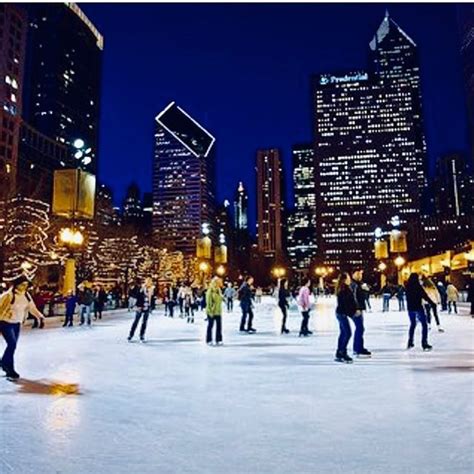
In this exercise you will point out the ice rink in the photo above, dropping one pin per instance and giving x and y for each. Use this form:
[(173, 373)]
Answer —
[(90, 402)]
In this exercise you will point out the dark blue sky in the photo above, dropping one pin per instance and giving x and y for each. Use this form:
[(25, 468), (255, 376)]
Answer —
[(244, 70)]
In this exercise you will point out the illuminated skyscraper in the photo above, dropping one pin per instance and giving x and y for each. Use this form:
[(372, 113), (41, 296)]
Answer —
[(269, 203), (63, 77), (370, 148), (183, 180), (240, 208), (302, 244)]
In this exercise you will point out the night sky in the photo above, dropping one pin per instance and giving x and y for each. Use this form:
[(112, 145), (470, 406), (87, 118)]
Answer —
[(243, 71)]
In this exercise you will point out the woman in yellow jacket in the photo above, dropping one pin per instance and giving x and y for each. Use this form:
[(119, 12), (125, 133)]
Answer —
[(214, 311)]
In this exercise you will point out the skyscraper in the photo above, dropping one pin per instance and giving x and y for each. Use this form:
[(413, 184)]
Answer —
[(63, 78), (13, 27), (183, 180), (241, 208), (370, 148), (269, 203), (302, 245), (466, 29)]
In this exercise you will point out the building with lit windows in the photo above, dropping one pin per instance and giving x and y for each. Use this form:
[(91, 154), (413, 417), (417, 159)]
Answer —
[(302, 244), (370, 148), (13, 28), (63, 78), (241, 208), (269, 203), (183, 180), (132, 209)]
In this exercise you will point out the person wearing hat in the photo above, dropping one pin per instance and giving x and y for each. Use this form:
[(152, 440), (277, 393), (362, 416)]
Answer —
[(15, 304), (214, 300), (143, 306)]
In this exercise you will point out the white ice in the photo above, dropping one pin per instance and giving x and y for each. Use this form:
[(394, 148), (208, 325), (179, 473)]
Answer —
[(262, 403)]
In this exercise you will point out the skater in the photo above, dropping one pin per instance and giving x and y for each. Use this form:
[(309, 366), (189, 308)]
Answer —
[(415, 296), (443, 295), (71, 300), (229, 295), (181, 296), (214, 311), (258, 295), (133, 295), (189, 305), (246, 304), (40, 302), (434, 295), (401, 298), (100, 297), (283, 295), (305, 303), (387, 295), (86, 299), (366, 292), (345, 309), (453, 295), (143, 307), (15, 304), (358, 316)]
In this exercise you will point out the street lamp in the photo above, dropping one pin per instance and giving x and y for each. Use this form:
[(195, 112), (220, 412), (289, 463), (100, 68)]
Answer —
[(279, 272), (399, 262), (383, 278), (220, 270), (71, 239)]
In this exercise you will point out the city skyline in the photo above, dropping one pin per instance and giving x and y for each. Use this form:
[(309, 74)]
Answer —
[(236, 151)]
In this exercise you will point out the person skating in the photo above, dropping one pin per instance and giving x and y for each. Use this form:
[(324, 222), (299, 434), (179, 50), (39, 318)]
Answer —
[(246, 304), (40, 302), (443, 295), (143, 308), (304, 302), (71, 300), (229, 295), (358, 316), (366, 289), (85, 300), (214, 311), (434, 295), (345, 309), (453, 295), (387, 295), (15, 304), (133, 295), (100, 298), (415, 296), (401, 298), (283, 304)]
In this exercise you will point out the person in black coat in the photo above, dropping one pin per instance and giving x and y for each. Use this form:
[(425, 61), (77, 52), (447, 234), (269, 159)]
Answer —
[(345, 309), (358, 317), (100, 297), (283, 295), (415, 295), (246, 297)]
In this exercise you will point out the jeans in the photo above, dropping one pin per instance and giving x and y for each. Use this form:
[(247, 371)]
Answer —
[(359, 333), (246, 311), (452, 305), (428, 309), (386, 302), (85, 308), (401, 303), (304, 322), (140, 314), (284, 311), (210, 325), (230, 304), (421, 317), (345, 333), (11, 333)]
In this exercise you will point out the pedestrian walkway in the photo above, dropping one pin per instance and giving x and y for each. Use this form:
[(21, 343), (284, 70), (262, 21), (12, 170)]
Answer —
[(91, 402)]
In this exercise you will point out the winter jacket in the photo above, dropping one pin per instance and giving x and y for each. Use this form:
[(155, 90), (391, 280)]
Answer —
[(346, 302), (452, 293), (433, 293), (86, 297), (415, 296), (283, 295), (303, 298), (7, 307), (245, 296), (359, 295), (71, 301), (213, 302)]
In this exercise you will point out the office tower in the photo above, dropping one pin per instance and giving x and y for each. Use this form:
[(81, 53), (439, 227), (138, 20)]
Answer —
[(13, 27), (63, 78), (132, 209), (269, 203), (466, 30), (241, 208), (183, 180), (302, 245), (370, 153), (452, 187), (104, 208)]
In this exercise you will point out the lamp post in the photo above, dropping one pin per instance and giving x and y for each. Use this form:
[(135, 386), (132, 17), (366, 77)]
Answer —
[(399, 262), (220, 270), (81, 151), (278, 272), (72, 239), (322, 273), (383, 278)]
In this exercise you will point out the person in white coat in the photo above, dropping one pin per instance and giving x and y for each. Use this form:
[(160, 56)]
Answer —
[(15, 304), (433, 293), (453, 295)]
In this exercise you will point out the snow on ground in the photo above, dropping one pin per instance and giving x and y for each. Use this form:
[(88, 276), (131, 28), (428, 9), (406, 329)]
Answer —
[(92, 403)]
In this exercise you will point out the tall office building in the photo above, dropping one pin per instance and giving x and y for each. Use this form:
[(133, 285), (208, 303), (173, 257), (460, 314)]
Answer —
[(63, 78), (370, 152), (132, 208), (466, 29), (241, 208), (13, 27), (183, 180), (302, 244), (269, 203), (452, 187)]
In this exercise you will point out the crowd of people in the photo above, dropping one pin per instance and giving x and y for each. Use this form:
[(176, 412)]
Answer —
[(419, 296)]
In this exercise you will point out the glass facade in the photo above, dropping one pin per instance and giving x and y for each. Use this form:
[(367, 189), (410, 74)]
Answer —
[(183, 180), (370, 148)]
